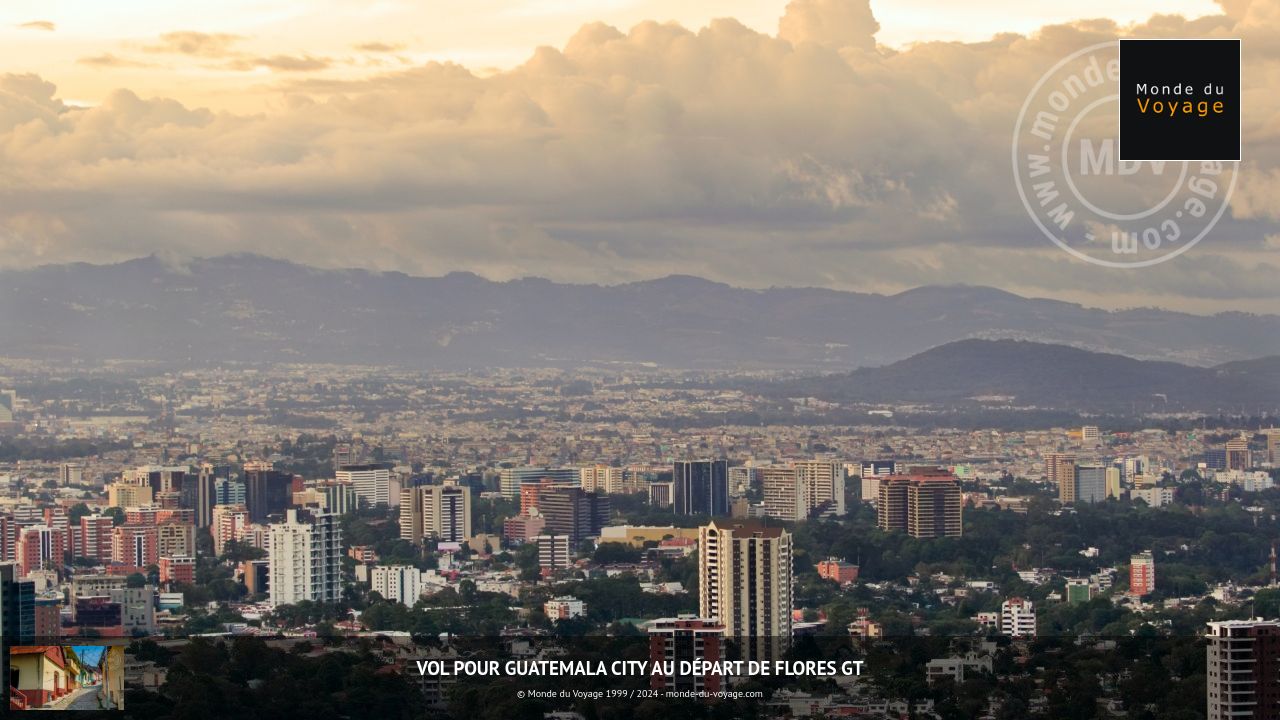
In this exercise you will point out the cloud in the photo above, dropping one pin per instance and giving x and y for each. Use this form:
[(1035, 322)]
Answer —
[(43, 25), (809, 157), (188, 42), (108, 60), (832, 23), (283, 63), (379, 47)]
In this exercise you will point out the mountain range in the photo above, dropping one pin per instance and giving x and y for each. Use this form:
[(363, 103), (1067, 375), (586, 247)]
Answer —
[(993, 373), (253, 308)]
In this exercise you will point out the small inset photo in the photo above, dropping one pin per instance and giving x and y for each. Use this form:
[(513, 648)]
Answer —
[(66, 677)]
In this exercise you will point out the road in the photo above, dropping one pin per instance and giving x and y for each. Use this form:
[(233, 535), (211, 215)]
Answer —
[(85, 698)]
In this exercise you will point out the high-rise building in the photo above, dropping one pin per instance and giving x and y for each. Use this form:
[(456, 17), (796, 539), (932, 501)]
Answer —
[(39, 547), (1242, 672), (228, 492), (1113, 482), (136, 546), (1142, 574), (267, 491), (744, 584), (554, 553), (398, 583), (701, 487), (925, 504), (123, 494), (573, 512), (1060, 472), (802, 490), (1091, 483), (1273, 445), (785, 495), (160, 478), (174, 539), (742, 479), (1090, 435), (95, 537), (371, 482), (601, 478), (70, 474), (685, 639), (1238, 454), (17, 607), (441, 511), (1018, 617), (230, 522), (511, 480), (662, 494), (331, 496), (207, 488), (305, 559)]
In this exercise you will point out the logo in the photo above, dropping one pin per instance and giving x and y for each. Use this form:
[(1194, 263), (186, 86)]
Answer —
[(1082, 196)]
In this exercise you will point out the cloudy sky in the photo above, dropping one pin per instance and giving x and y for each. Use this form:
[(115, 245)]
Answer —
[(829, 143)]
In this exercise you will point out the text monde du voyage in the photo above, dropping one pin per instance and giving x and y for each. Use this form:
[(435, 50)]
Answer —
[(1179, 99)]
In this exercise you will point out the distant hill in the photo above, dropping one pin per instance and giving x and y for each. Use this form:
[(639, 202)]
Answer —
[(247, 307), (976, 372)]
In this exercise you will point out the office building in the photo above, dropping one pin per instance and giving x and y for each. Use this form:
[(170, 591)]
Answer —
[(70, 474), (1142, 574), (1060, 473), (1242, 670), (511, 480), (1090, 435), (17, 606), (701, 487), (1237, 454), (123, 494), (162, 479), (573, 512), (925, 504), (1091, 483), (685, 639), (398, 583), (662, 494), (371, 482), (268, 492), (745, 584), (522, 528), (210, 481), (331, 496), (305, 559)]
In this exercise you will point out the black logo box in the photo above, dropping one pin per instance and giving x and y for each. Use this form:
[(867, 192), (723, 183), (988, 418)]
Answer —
[(1192, 63)]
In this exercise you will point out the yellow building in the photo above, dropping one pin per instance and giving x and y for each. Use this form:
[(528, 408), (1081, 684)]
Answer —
[(123, 495), (638, 535)]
